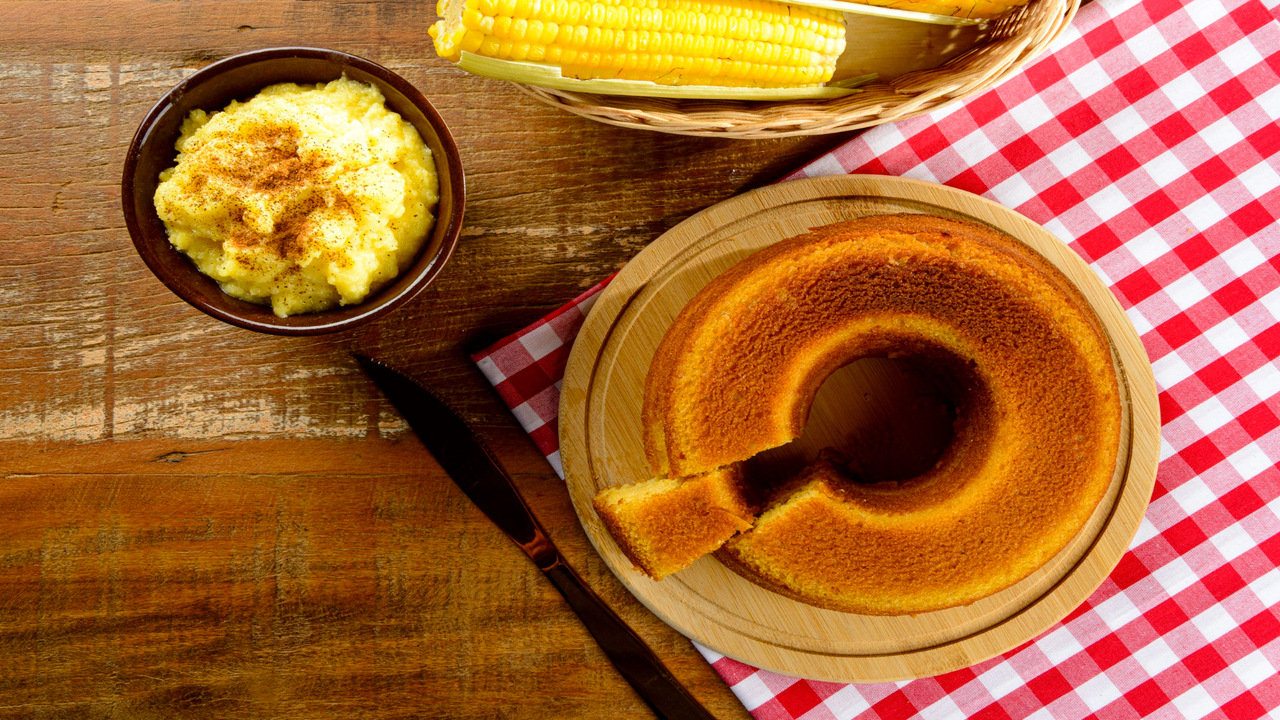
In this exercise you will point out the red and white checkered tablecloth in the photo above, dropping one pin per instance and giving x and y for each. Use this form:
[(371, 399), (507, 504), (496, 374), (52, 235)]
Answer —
[(1148, 139)]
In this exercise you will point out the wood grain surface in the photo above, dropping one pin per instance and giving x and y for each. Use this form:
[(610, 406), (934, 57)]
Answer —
[(601, 443), (200, 521)]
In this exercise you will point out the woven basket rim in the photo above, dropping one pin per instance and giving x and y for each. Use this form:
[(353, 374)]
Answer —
[(1021, 36)]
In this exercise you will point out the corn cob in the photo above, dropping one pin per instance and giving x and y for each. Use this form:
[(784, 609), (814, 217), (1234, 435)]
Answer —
[(733, 43)]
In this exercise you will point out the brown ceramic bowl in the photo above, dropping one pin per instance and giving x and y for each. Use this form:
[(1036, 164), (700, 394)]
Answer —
[(240, 77)]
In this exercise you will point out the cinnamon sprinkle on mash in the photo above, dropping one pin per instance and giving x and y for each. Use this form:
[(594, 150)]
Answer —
[(305, 197)]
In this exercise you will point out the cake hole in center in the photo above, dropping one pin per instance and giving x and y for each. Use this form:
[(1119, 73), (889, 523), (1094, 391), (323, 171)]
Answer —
[(890, 418)]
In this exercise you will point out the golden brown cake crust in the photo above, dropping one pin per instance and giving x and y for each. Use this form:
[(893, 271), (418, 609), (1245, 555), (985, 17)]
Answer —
[(1036, 439), (664, 525)]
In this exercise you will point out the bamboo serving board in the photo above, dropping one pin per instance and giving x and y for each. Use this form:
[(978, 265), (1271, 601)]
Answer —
[(600, 440)]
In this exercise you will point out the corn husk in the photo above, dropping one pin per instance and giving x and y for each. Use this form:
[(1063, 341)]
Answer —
[(548, 76)]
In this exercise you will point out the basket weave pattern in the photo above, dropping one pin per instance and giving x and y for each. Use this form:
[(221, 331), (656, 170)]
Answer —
[(1016, 38)]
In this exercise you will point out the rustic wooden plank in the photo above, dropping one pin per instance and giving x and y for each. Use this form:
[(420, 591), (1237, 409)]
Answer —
[(221, 586), (212, 522)]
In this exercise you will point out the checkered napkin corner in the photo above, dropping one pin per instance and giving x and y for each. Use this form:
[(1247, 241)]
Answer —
[(526, 369), (1149, 139)]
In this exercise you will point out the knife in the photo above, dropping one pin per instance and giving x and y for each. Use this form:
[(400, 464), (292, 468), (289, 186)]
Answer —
[(473, 467)]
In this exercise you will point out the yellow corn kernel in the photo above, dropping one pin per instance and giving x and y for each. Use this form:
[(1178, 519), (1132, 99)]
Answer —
[(471, 41), (489, 47)]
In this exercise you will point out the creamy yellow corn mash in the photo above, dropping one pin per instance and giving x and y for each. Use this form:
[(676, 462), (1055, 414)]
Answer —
[(305, 197)]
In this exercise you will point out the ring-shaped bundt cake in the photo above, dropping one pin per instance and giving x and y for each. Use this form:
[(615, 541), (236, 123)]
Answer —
[(1011, 340)]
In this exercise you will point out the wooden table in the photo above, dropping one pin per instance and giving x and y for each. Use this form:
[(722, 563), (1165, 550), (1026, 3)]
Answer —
[(200, 521)]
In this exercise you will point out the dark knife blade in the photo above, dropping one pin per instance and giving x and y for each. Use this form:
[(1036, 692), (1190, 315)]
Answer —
[(477, 472)]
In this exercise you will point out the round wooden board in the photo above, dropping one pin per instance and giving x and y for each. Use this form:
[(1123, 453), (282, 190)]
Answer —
[(600, 440)]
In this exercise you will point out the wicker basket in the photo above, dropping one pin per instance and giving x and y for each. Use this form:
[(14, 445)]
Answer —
[(1016, 38)]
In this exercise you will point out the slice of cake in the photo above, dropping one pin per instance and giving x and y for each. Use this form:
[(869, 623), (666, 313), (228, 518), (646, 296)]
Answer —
[(663, 525)]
